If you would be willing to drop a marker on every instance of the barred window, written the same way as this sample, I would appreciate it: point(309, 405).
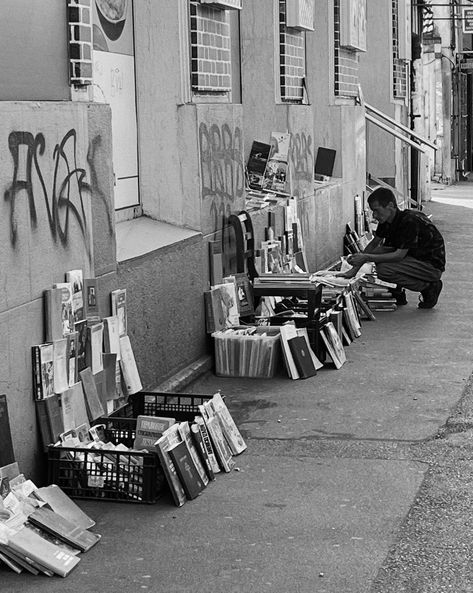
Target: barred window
point(399, 65)
point(292, 59)
point(345, 61)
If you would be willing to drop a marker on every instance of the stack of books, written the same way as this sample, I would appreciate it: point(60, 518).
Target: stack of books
point(377, 295)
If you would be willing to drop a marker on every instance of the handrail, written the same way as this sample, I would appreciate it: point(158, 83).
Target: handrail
point(398, 125)
point(394, 133)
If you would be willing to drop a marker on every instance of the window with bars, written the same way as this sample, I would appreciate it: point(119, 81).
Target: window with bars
point(292, 59)
point(399, 65)
point(345, 61)
point(211, 64)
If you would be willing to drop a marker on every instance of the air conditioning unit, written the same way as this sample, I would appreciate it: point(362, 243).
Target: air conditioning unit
point(300, 14)
point(223, 4)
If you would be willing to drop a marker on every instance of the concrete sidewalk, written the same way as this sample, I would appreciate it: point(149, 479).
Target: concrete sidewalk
point(355, 480)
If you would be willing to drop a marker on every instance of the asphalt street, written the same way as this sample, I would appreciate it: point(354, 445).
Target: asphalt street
point(358, 480)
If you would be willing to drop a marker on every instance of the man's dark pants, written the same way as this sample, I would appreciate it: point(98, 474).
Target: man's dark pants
point(409, 273)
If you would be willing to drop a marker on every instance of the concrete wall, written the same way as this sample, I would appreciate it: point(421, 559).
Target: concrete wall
point(376, 83)
point(33, 51)
point(57, 199)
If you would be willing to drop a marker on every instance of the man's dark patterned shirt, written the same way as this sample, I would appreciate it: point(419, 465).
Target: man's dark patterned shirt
point(415, 232)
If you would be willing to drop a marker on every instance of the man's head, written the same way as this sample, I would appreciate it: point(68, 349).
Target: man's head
point(382, 202)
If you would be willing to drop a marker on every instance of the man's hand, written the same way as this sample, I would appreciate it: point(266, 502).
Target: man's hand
point(358, 259)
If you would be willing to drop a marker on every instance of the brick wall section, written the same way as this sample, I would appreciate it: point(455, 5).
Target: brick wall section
point(346, 62)
point(291, 59)
point(210, 49)
point(80, 41)
point(399, 66)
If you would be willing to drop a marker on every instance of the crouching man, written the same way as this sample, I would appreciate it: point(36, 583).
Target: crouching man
point(407, 248)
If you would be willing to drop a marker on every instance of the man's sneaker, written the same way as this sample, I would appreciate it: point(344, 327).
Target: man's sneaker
point(430, 295)
point(400, 296)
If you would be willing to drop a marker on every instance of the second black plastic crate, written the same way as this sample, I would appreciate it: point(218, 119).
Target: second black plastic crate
point(181, 406)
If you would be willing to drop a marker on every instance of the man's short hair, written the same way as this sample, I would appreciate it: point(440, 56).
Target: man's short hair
point(383, 196)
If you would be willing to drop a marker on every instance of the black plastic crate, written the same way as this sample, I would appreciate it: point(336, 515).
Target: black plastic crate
point(101, 474)
point(181, 406)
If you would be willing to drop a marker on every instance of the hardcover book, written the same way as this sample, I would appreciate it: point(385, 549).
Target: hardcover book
point(333, 344)
point(82, 337)
point(60, 364)
point(128, 366)
point(76, 279)
point(74, 411)
point(170, 438)
point(93, 402)
point(94, 347)
point(52, 300)
point(67, 314)
point(300, 353)
point(71, 357)
point(229, 428)
point(30, 544)
point(91, 298)
point(221, 447)
point(202, 450)
point(62, 504)
point(186, 470)
point(185, 432)
point(221, 307)
point(256, 165)
point(199, 421)
point(111, 335)
point(119, 308)
point(43, 370)
point(64, 529)
point(149, 429)
point(244, 293)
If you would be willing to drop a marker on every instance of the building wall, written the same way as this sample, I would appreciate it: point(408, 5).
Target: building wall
point(56, 215)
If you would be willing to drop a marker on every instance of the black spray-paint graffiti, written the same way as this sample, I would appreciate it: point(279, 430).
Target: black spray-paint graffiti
point(301, 158)
point(66, 198)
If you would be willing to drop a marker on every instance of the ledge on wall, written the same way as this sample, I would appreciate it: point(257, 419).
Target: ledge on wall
point(143, 235)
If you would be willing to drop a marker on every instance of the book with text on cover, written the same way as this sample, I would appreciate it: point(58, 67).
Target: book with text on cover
point(149, 429)
point(119, 308)
point(67, 313)
point(170, 438)
point(128, 366)
point(76, 279)
point(186, 470)
point(42, 359)
point(229, 428)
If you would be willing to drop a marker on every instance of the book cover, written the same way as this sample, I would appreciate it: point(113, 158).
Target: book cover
point(52, 302)
point(226, 295)
point(221, 447)
point(302, 358)
point(111, 386)
point(71, 357)
point(30, 544)
point(185, 432)
point(74, 411)
point(302, 331)
point(208, 444)
point(93, 402)
point(149, 429)
point(19, 560)
point(333, 344)
point(82, 337)
point(94, 347)
point(256, 165)
point(62, 504)
point(91, 298)
point(186, 470)
point(7, 455)
point(43, 370)
point(202, 450)
point(76, 279)
point(53, 406)
point(43, 423)
point(229, 428)
point(64, 529)
point(128, 366)
point(244, 293)
point(119, 309)
point(276, 171)
point(67, 314)
point(215, 262)
point(170, 438)
point(60, 364)
point(288, 331)
point(111, 335)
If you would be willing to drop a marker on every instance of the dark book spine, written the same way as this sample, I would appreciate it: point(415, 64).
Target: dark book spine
point(36, 366)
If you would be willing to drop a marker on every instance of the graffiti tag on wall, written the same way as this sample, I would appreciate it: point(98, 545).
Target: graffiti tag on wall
point(222, 170)
point(63, 197)
point(301, 160)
